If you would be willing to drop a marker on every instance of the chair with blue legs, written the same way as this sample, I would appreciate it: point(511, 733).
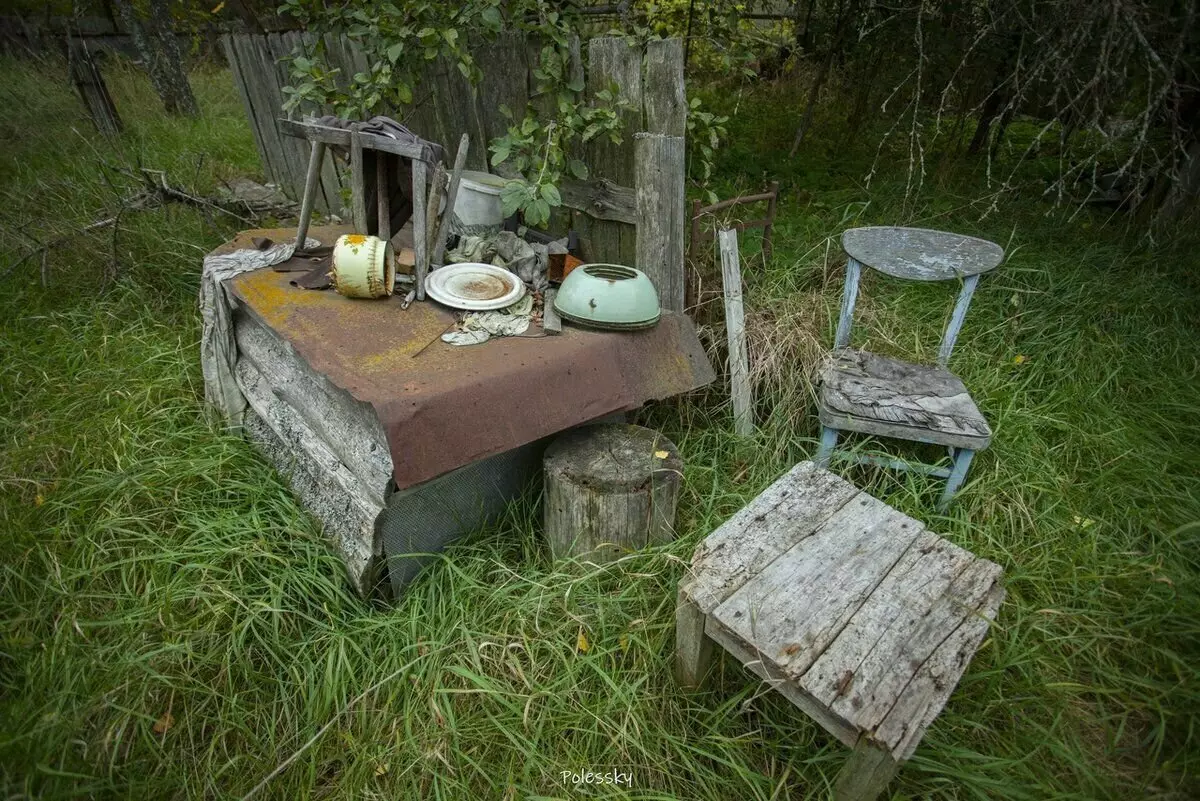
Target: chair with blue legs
point(881, 396)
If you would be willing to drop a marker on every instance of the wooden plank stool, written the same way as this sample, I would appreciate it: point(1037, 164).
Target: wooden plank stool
point(853, 611)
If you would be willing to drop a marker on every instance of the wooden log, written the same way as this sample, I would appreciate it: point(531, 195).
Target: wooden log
point(610, 488)
point(661, 216)
point(612, 60)
point(735, 329)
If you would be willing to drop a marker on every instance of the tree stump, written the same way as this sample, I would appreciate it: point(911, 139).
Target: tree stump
point(610, 489)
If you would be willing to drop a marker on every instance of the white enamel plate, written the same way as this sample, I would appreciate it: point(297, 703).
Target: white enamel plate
point(475, 287)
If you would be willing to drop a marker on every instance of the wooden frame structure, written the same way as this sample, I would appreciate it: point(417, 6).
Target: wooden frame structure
point(632, 208)
point(871, 394)
point(767, 223)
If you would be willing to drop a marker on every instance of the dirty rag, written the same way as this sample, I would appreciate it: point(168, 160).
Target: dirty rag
point(505, 249)
point(478, 327)
point(218, 349)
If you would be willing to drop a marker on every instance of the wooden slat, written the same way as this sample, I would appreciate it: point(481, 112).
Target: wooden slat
point(438, 244)
point(785, 513)
point(735, 328)
point(839, 566)
point(612, 60)
point(664, 97)
point(358, 180)
point(420, 241)
point(660, 234)
point(600, 199)
point(341, 137)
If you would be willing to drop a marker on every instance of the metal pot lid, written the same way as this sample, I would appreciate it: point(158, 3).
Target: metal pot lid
point(474, 287)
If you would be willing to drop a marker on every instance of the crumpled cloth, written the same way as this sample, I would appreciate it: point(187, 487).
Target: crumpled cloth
point(218, 348)
point(505, 249)
point(478, 327)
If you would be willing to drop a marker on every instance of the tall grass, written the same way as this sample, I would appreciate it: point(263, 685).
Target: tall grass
point(174, 626)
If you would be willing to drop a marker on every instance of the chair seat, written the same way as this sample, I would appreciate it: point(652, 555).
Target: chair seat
point(872, 394)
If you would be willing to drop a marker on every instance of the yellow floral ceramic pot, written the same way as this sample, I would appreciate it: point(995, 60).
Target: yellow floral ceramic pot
point(363, 266)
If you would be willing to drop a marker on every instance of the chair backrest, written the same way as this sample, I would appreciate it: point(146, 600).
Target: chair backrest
point(916, 254)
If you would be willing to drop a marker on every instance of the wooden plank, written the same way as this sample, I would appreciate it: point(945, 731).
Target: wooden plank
point(505, 82)
point(659, 235)
point(664, 92)
point(233, 58)
point(437, 192)
point(383, 210)
point(420, 242)
point(551, 322)
point(601, 199)
point(866, 773)
point(358, 182)
point(785, 513)
point(849, 297)
point(735, 329)
point(341, 137)
point(693, 648)
point(279, 47)
point(261, 109)
point(921, 254)
point(956, 320)
point(612, 60)
point(913, 677)
point(770, 673)
point(439, 240)
point(796, 607)
point(315, 162)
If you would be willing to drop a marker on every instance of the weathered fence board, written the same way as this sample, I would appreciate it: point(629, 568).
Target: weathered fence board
point(604, 208)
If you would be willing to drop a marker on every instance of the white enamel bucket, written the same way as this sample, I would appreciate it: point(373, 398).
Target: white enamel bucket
point(363, 266)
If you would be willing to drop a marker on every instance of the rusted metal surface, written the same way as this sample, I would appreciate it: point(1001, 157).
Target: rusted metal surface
point(443, 407)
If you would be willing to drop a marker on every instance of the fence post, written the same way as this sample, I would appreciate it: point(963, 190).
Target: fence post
point(660, 210)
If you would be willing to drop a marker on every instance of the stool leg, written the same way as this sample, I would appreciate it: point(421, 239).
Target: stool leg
point(829, 438)
point(693, 648)
point(962, 463)
point(310, 192)
point(866, 773)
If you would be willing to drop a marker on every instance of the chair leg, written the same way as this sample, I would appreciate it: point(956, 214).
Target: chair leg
point(693, 648)
point(962, 463)
point(825, 451)
point(829, 438)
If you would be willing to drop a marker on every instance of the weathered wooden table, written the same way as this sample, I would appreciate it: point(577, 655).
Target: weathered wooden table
point(855, 612)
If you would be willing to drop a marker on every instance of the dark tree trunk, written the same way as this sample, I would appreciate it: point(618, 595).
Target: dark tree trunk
point(156, 42)
point(92, 89)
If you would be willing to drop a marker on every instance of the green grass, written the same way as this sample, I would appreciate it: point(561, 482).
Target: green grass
point(153, 564)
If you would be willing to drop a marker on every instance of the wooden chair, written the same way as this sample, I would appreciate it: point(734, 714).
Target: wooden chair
point(864, 392)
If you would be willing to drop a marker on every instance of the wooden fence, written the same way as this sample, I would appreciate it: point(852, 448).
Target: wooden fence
point(630, 211)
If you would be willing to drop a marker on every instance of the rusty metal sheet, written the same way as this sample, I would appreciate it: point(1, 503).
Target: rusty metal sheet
point(443, 407)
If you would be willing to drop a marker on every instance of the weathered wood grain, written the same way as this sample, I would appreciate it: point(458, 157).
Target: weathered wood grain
point(601, 199)
point(383, 208)
point(308, 199)
point(921, 254)
point(610, 488)
point(863, 391)
point(838, 567)
point(735, 330)
point(956, 320)
point(660, 235)
point(358, 180)
point(341, 137)
point(439, 241)
point(785, 513)
point(693, 648)
point(613, 61)
point(664, 96)
point(420, 226)
point(551, 322)
point(866, 622)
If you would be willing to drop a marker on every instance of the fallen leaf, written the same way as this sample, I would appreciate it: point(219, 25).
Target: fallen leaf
point(624, 642)
point(1164, 580)
point(661, 454)
point(39, 500)
point(164, 723)
point(1083, 522)
point(581, 642)
point(1019, 359)
point(218, 7)
point(382, 768)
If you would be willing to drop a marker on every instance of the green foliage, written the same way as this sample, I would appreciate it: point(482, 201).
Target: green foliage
point(706, 131)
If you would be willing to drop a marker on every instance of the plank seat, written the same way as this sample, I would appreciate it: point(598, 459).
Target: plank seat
point(858, 614)
point(872, 394)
